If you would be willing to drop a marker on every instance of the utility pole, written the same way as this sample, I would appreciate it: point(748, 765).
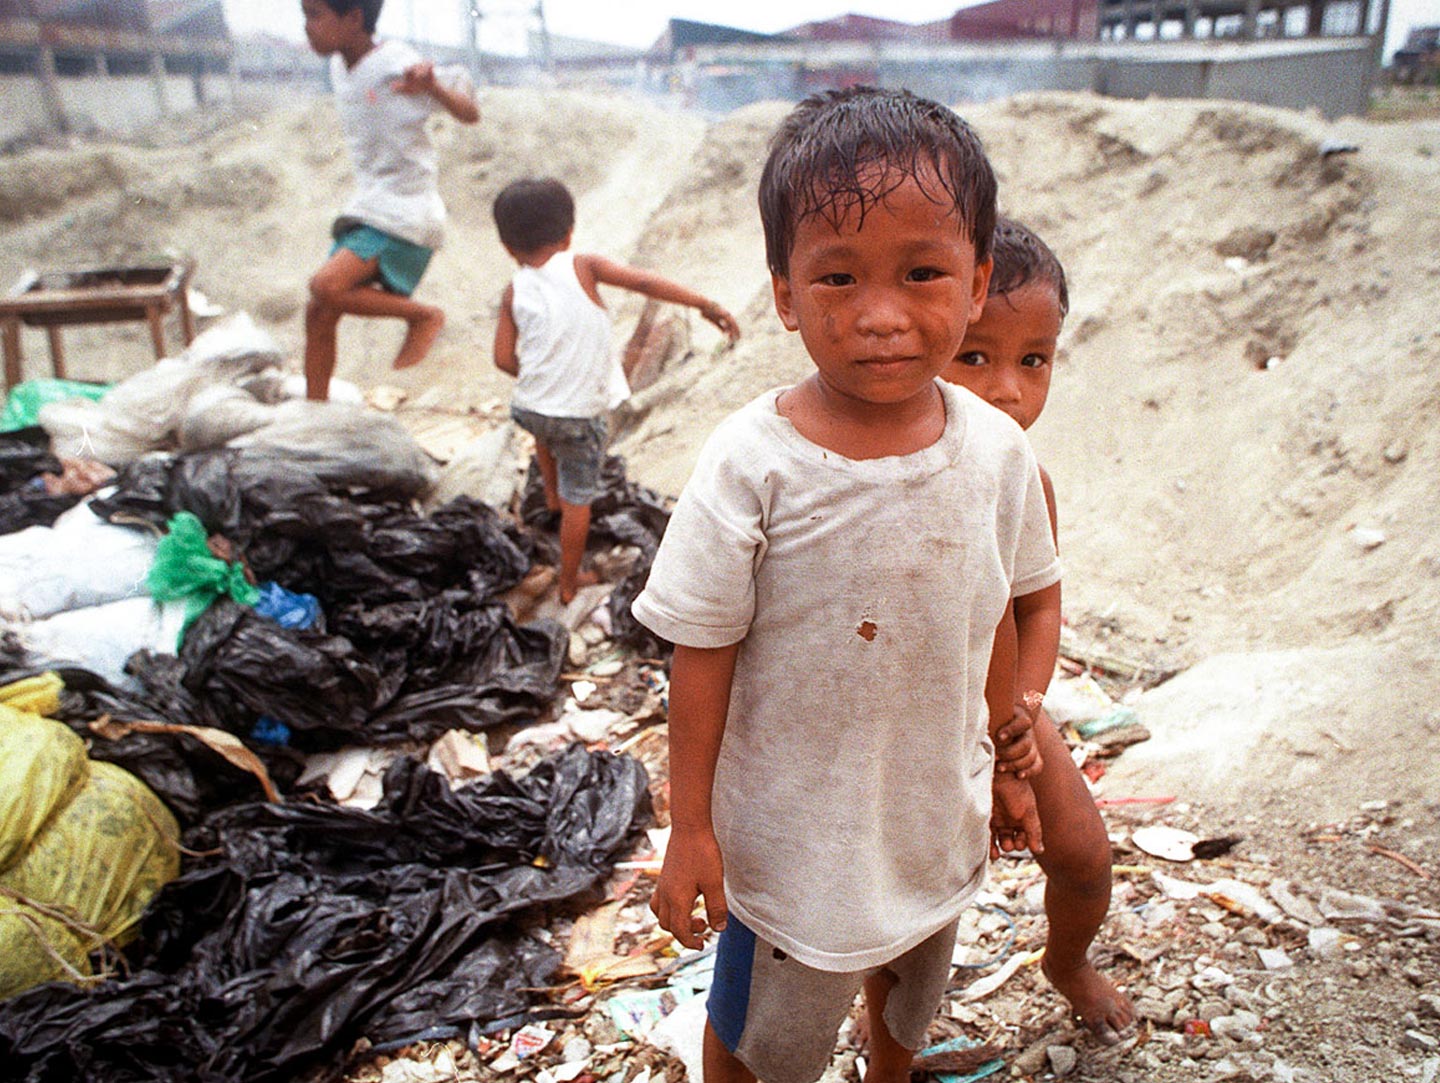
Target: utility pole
point(471, 14)
point(547, 57)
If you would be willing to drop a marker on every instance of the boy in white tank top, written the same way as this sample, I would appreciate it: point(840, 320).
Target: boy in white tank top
point(554, 338)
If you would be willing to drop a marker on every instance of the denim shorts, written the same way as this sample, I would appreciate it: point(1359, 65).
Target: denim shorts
point(578, 447)
point(781, 1017)
point(400, 262)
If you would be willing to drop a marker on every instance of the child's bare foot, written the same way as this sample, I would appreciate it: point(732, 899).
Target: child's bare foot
point(421, 335)
point(1098, 1005)
point(582, 579)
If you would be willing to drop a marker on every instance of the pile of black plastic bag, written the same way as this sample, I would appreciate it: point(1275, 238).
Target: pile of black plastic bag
point(296, 929)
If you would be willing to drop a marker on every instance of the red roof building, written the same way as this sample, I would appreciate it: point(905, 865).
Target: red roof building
point(868, 28)
point(1014, 20)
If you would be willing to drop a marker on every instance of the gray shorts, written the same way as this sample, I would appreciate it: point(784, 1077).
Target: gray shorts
point(781, 1017)
point(578, 447)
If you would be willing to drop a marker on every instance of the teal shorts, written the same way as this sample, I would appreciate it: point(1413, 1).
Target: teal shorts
point(400, 263)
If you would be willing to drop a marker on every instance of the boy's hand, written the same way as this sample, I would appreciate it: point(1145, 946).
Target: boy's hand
point(693, 867)
point(416, 79)
point(723, 320)
point(1016, 750)
point(1014, 819)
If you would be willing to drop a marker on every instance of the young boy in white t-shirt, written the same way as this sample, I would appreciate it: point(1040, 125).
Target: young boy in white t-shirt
point(832, 577)
point(553, 335)
point(394, 221)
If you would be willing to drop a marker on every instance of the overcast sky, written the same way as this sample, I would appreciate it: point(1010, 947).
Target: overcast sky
point(639, 22)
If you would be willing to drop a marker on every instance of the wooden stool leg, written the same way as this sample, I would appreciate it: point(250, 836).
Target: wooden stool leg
point(11, 333)
point(57, 352)
point(187, 319)
point(156, 319)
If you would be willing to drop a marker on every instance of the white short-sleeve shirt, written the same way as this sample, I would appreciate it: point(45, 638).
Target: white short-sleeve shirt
point(567, 365)
point(852, 793)
point(395, 163)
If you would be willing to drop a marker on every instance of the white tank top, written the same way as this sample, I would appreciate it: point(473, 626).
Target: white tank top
point(567, 365)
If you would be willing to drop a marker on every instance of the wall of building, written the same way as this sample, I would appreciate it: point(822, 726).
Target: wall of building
point(1334, 80)
point(124, 103)
point(1333, 76)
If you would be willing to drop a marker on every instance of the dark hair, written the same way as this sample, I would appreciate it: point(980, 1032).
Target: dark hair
point(370, 9)
point(822, 155)
point(534, 212)
point(1021, 258)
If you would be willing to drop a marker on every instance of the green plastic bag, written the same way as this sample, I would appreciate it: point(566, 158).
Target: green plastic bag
point(185, 569)
point(22, 405)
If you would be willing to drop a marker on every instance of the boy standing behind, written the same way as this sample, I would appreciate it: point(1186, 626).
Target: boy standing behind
point(1007, 358)
point(554, 337)
point(385, 236)
point(832, 577)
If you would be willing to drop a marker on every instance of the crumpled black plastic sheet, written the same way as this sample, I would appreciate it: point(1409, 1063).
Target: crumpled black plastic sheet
point(624, 513)
point(351, 548)
point(24, 456)
point(413, 671)
point(318, 925)
point(414, 641)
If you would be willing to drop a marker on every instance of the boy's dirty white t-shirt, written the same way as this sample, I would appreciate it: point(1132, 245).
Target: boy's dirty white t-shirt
point(852, 793)
point(396, 168)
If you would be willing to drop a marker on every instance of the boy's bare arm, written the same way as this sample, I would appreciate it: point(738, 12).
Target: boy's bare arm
point(699, 700)
point(613, 273)
point(1011, 723)
point(420, 79)
point(1037, 640)
point(505, 335)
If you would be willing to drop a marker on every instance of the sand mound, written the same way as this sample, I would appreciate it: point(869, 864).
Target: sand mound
point(1242, 428)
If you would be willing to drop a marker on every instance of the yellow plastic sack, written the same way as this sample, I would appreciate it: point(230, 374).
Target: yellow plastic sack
point(81, 874)
point(42, 767)
point(38, 947)
point(37, 695)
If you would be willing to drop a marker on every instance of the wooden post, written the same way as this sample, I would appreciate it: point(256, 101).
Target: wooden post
point(1191, 13)
point(11, 334)
point(50, 89)
point(1252, 11)
point(157, 77)
point(155, 317)
point(57, 351)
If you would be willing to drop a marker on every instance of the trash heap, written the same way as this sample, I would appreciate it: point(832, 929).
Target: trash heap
point(406, 794)
point(254, 601)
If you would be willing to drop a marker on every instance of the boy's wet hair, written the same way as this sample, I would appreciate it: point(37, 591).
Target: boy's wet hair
point(533, 213)
point(822, 158)
point(369, 8)
point(1021, 257)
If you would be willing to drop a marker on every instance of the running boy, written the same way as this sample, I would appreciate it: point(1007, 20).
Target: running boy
point(832, 577)
point(1006, 359)
point(384, 237)
point(554, 337)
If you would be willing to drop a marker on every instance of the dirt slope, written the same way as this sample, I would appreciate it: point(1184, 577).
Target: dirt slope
point(1242, 428)
point(1242, 432)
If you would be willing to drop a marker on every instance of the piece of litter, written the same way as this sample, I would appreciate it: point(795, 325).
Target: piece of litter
point(988, 984)
point(1170, 843)
point(202, 306)
point(530, 1039)
point(1275, 959)
point(958, 1045)
point(1367, 537)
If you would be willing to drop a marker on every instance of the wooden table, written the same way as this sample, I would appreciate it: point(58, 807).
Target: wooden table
point(56, 299)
